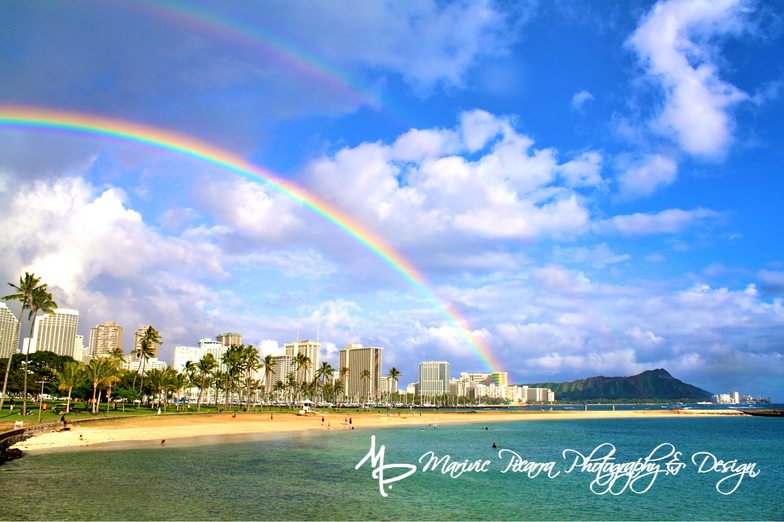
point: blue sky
(596, 186)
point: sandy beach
(171, 428)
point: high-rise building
(56, 332)
(282, 367)
(229, 339)
(9, 332)
(217, 350)
(358, 358)
(104, 338)
(137, 344)
(310, 350)
(78, 352)
(433, 377)
(499, 378)
(184, 354)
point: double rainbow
(35, 118)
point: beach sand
(173, 427)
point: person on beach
(163, 441)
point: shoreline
(186, 429)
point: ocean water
(312, 476)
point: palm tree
(41, 301)
(99, 371)
(278, 387)
(301, 363)
(146, 350)
(250, 363)
(269, 370)
(233, 361)
(365, 376)
(323, 373)
(205, 366)
(28, 286)
(394, 375)
(179, 383)
(72, 376)
(338, 388)
(162, 381)
(291, 385)
(344, 373)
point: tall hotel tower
(104, 338)
(311, 351)
(57, 332)
(358, 358)
(433, 377)
(9, 332)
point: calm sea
(312, 476)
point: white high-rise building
(358, 358)
(56, 332)
(9, 332)
(78, 353)
(433, 377)
(310, 350)
(184, 354)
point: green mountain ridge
(655, 384)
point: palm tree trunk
(95, 388)
(141, 385)
(201, 392)
(27, 360)
(108, 401)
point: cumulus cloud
(426, 188)
(676, 44)
(643, 177)
(598, 257)
(579, 99)
(671, 221)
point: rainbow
(36, 118)
(286, 53)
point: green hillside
(649, 385)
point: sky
(556, 189)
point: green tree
(205, 366)
(344, 372)
(72, 376)
(249, 357)
(28, 286)
(232, 359)
(301, 364)
(162, 381)
(41, 302)
(394, 375)
(269, 370)
(99, 372)
(145, 352)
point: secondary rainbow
(36, 118)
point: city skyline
(444, 180)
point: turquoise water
(311, 476)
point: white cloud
(426, 188)
(583, 171)
(598, 257)
(675, 43)
(580, 98)
(650, 173)
(671, 221)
